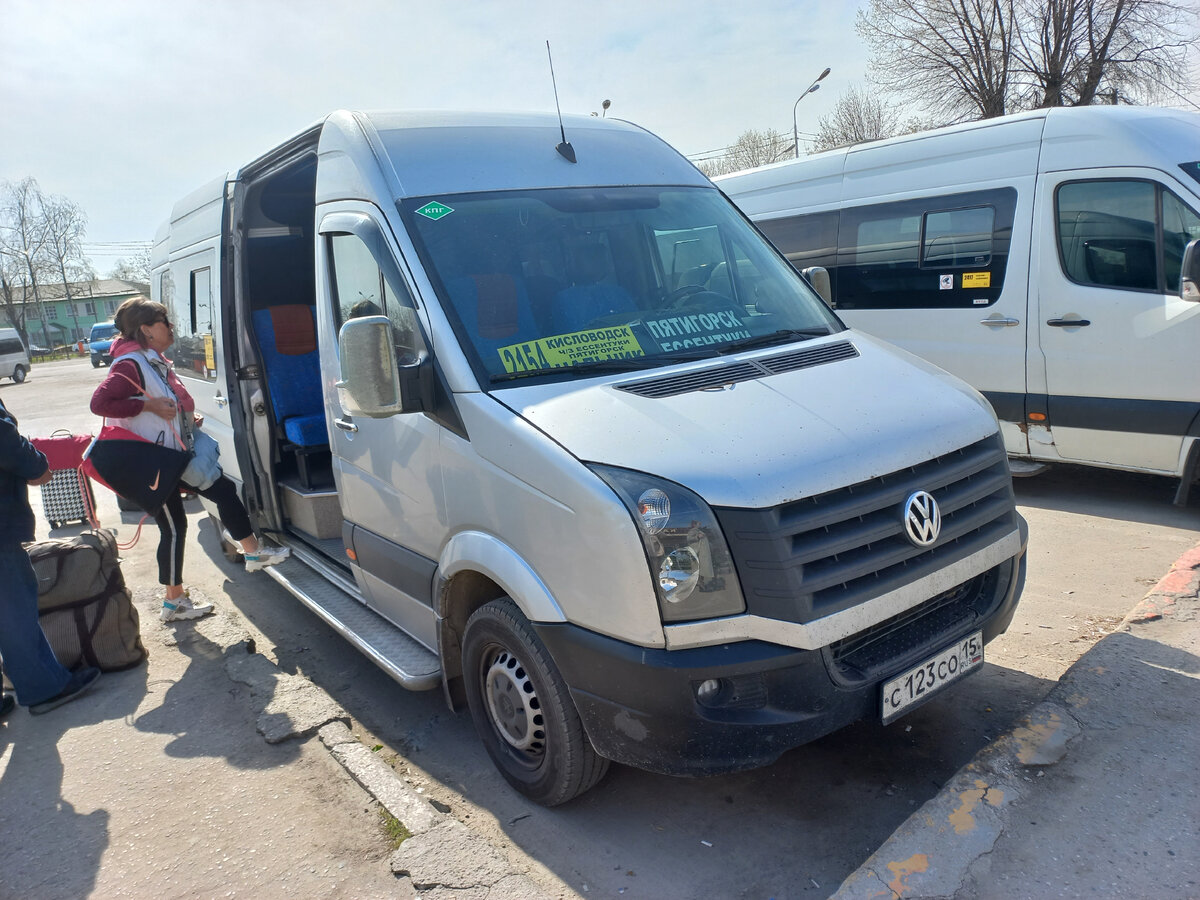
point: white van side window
(958, 237)
(1181, 225)
(1108, 234)
(944, 252)
(191, 321)
(362, 288)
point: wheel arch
(476, 568)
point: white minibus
(1039, 256)
(458, 365)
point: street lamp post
(812, 87)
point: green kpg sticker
(434, 210)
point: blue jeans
(29, 662)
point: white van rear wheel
(18, 374)
(522, 708)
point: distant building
(67, 321)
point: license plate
(920, 682)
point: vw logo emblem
(922, 519)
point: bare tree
(23, 238)
(66, 225)
(8, 296)
(136, 268)
(951, 57)
(966, 59)
(1076, 52)
(857, 117)
(751, 149)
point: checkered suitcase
(67, 497)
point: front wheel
(522, 709)
(95, 363)
(19, 374)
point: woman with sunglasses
(143, 394)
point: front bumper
(639, 705)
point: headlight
(689, 560)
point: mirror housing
(1189, 273)
(374, 383)
(818, 278)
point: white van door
(1117, 341)
(387, 471)
(188, 289)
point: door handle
(345, 425)
(1068, 323)
(1000, 320)
(221, 400)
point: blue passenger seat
(287, 336)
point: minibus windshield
(563, 282)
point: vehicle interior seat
(287, 336)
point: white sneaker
(266, 556)
(184, 608)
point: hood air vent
(743, 370)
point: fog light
(679, 574)
(708, 690)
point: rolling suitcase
(67, 497)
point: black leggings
(172, 526)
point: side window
(191, 319)
(1181, 225)
(362, 287)
(944, 252)
(958, 238)
(1106, 233)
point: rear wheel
(522, 709)
(18, 374)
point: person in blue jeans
(42, 683)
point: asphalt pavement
(1093, 794)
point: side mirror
(818, 277)
(1189, 275)
(373, 383)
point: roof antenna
(565, 150)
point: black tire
(522, 709)
(95, 363)
(18, 374)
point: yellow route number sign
(561, 350)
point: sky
(124, 106)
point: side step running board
(407, 661)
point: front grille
(816, 556)
(903, 640)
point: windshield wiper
(595, 367)
(783, 336)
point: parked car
(99, 341)
(14, 359)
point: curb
(442, 855)
(930, 853)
